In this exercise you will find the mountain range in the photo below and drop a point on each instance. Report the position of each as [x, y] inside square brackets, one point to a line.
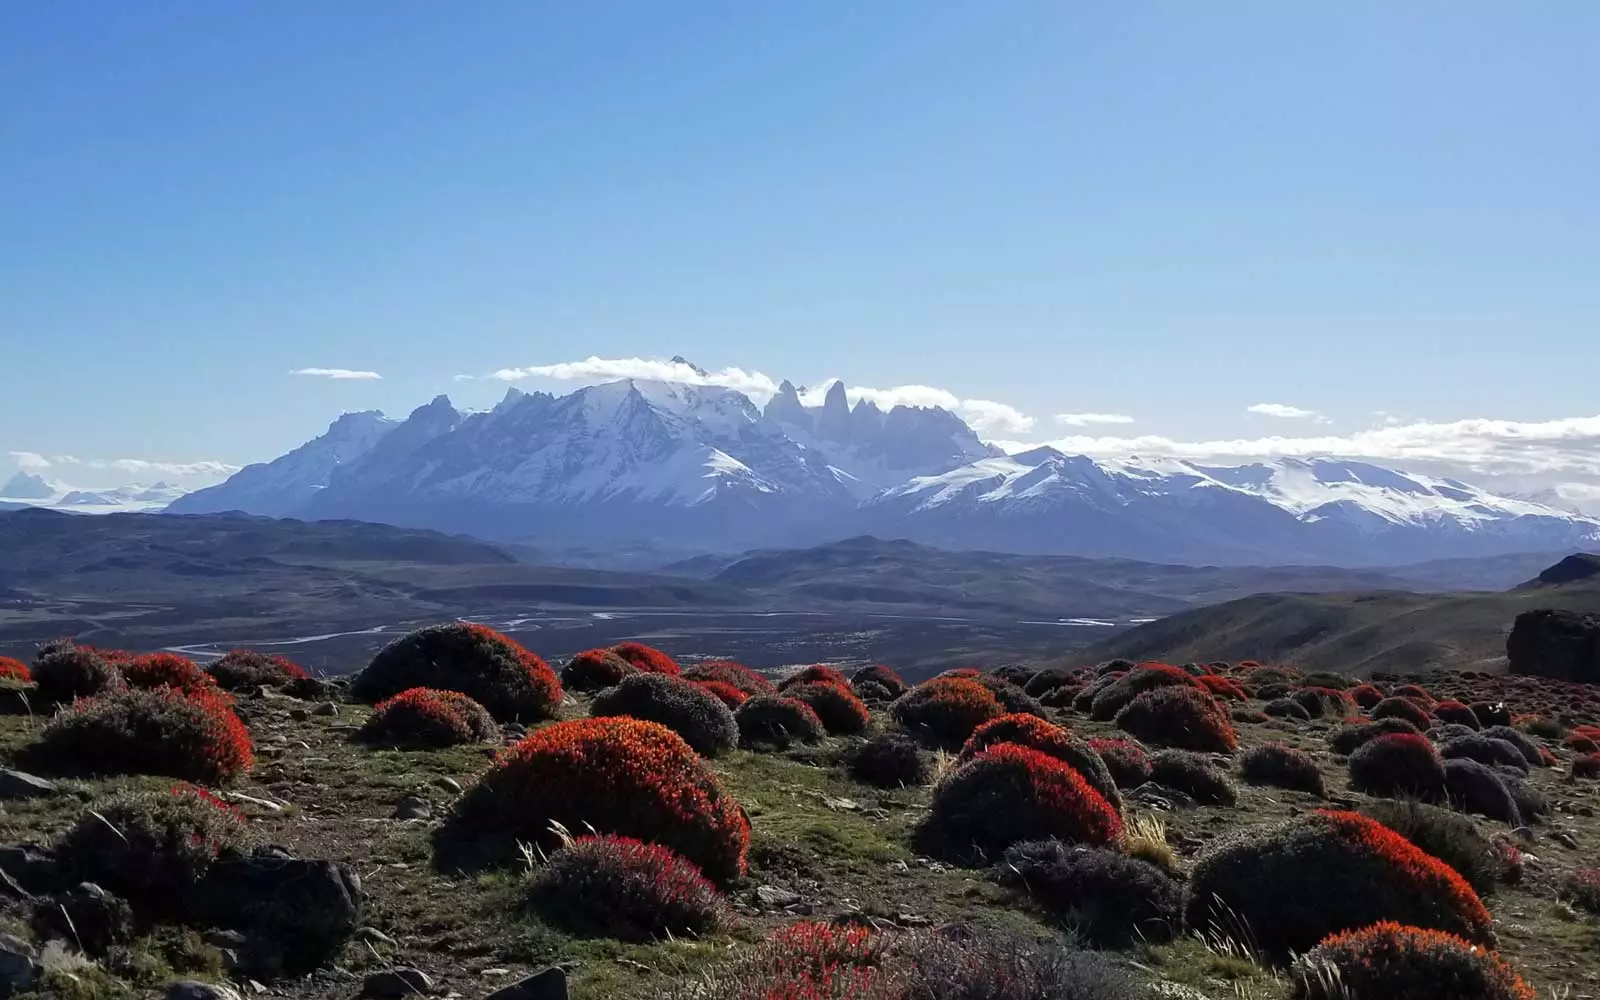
[28, 490]
[705, 468]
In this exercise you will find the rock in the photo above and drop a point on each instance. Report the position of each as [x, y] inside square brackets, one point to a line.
[413, 807]
[550, 984]
[299, 714]
[1562, 645]
[193, 989]
[775, 897]
[394, 984]
[17, 968]
[326, 708]
[448, 784]
[1572, 569]
[308, 688]
[308, 909]
[224, 939]
[374, 936]
[87, 914]
[33, 867]
[1565, 839]
[22, 785]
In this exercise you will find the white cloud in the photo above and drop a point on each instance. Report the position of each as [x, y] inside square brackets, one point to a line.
[337, 373]
[1283, 411]
[31, 461]
[1085, 419]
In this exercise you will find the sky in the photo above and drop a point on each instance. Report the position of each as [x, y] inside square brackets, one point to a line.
[1212, 230]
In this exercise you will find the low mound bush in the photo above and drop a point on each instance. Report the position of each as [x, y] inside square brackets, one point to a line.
[1348, 740]
[773, 720]
[729, 672]
[684, 707]
[1404, 963]
[1144, 678]
[1532, 804]
[65, 670]
[945, 711]
[1575, 743]
[14, 670]
[1474, 788]
[247, 669]
[423, 717]
[1485, 750]
[1194, 775]
[1182, 717]
[613, 775]
[1108, 898]
[1050, 679]
[1125, 760]
[595, 670]
[1448, 836]
[1324, 701]
[1399, 765]
[619, 887]
[819, 673]
[1455, 713]
[1014, 673]
[647, 658]
[158, 731]
[1421, 695]
[1582, 889]
[1287, 887]
[1366, 696]
[890, 761]
[1286, 708]
[155, 670]
[879, 674]
[1278, 766]
[1009, 794]
[725, 693]
[1047, 738]
[1586, 766]
[1223, 687]
[1060, 697]
[1402, 708]
[841, 712]
[1525, 744]
[490, 668]
[1011, 697]
[151, 847]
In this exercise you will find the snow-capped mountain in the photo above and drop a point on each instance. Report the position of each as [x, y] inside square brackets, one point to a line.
[23, 486]
[24, 490]
[703, 466]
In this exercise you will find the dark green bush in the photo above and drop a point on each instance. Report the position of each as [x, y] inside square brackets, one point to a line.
[65, 670]
[1476, 788]
[775, 720]
[618, 887]
[1448, 836]
[490, 668]
[1195, 776]
[1110, 899]
[890, 761]
[1347, 740]
[152, 847]
[1278, 766]
[1399, 765]
[683, 706]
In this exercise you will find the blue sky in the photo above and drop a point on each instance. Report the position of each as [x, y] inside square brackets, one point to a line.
[1387, 215]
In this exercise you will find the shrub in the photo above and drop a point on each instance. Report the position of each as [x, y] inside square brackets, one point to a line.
[684, 707]
[990, 965]
[1125, 760]
[1144, 678]
[613, 775]
[1011, 698]
[1455, 713]
[14, 670]
[1581, 744]
[1323, 701]
[871, 692]
[151, 847]
[1179, 717]
[1415, 693]
[595, 670]
[1351, 738]
[1475, 788]
[1399, 765]
[1404, 963]
[1582, 887]
[772, 720]
[423, 717]
[725, 693]
[1278, 766]
[1448, 836]
[841, 712]
[1286, 708]
[155, 670]
[1051, 679]
[1109, 898]
[1008, 794]
[159, 731]
[890, 761]
[647, 658]
[1047, 738]
[1015, 673]
[1195, 776]
[944, 711]
[819, 673]
[1367, 696]
[1223, 687]
[1484, 750]
[619, 887]
[1586, 766]
[729, 672]
[246, 669]
[1289, 886]
[1524, 744]
[1402, 708]
[1488, 714]
[1532, 804]
[65, 670]
[1060, 697]
[490, 668]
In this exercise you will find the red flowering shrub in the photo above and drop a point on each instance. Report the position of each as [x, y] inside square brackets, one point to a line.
[619, 887]
[14, 670]
[729, 672]
[877, 673]
[1179, 717]
[970, 673]
[1582, 887]
[1117, 695]
[725, 693]
[1366, 695]
[1048, 738]
[1586, 766]
[1581, 744]
[151, 846]
[1009, 794]
[841, 712]
[819, 673]
[1587, 732]
[1126, 760]
[615, 775]
[775, 720]
[1402, 708]
[423, 717]
[684, 707]
[944, 712]
[814, 960]
[1455, 713]
[154, 670]
[155, 731]
[1322, 701]
[1284, 888]
[65, 670]
[595, 669]
[1347, 739]
[1399, 765]
[1446, 835]
[647, 658]
[490, 668]
[1416, 693]
[1404, 963]
[246, 669]
[1223, 687]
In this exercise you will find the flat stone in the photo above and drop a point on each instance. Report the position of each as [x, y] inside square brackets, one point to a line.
[550, 984]
[776, 896]
[326, 708]
[193, 989]
[374, 935]
[22, 785]
[413, 807]
[396, 983]
[448, 784]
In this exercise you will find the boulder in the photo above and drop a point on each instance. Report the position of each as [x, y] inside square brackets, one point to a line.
[1561, 645]
[87, 914]
[22, 785]
[193, 989]
[550, 984]
[394, 984]
[307, 908]
[17, 966]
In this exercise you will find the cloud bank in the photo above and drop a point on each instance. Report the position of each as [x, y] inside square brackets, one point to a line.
[337, 373]
[1086, 419]
[1283, 411]
[34, 462]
